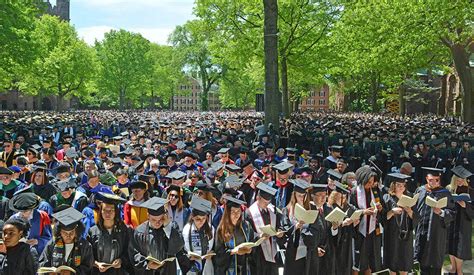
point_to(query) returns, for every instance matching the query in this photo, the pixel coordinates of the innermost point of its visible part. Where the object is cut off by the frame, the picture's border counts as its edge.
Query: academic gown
(226, 264)
(398, 238)
(40, 229)
(460, 231)
(343, 246)
(198, 242)
(45, 191)
(306, 265)
(21, 259)
(260, 265)
(367, 249)
(326, 239)
(5, 211)
(431, 230)
(283, 195)
(81, 258)
(107, 247)
(161, 244)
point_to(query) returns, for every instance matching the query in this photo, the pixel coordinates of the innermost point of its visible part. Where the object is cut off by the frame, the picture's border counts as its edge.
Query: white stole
(362, 204)
(269, 248)
(177, 216)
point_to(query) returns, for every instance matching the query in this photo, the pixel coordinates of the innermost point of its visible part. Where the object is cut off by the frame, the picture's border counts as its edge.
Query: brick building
(318, 99)
(188, 97)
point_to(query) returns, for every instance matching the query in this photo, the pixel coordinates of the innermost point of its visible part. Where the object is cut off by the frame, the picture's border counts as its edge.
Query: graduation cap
(155, 206)
(461, 172)
(291, 150)
(432, 171)
(437, 142)
(217, 165)
(68, 218)
(318, 187)
(180, 145)
(334, 175)
(201, 185)
(64, 167)
(245, 163)
(336, 148)
(398, 177)
(300, 185)
(138, 184)
(72, 153)
(233, 202)
(266, 191)
(66, 184)
(110, 198)
(233, 182)
(48, 151)
(342, 188)
(15, 169)
(283, 167)
(223, 151)
(117, 138)
(233, 168)
(176, 175)
(200, 207)
(138, 165)
(24, 201)
(88, 153)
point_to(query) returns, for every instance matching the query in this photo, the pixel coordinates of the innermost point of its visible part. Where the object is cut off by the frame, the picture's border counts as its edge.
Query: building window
(322, 93)
(322, 102)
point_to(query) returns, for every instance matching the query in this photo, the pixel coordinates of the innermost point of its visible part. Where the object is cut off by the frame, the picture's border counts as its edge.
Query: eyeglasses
(173, 196)
(7, 145)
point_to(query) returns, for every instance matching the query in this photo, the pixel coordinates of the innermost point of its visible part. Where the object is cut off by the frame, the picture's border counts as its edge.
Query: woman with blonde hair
(460, 229)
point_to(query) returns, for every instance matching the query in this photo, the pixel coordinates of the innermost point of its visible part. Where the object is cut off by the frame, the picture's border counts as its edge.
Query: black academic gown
(326, 241)
(223, 261)
(260, 265)
(431, 230)
(81, 258)
(460, 231)
(306, 265)
(398, 238)
(20, 259)
(161, 244)
(107, 247)
(343, 246)
(368, 248)
(45, 191)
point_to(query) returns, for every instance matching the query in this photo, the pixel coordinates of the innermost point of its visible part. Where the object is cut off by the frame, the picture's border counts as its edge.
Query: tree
(191, 42)
(16, 44)
(272, 97)
(123, 67)
(165, 74)
(64, 63)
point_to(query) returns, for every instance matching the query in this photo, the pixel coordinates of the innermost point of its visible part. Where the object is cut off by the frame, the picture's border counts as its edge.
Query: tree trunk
(284, 87)
(466, 77)
(402, 100)
(122, 99)
(59, 102)
(375, 94)
(270, 42)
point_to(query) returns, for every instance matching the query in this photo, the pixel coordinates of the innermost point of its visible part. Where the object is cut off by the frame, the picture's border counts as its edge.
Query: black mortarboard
(319, 188)
(291, 150)
(233, 202)
(24, 201)
(266, 191)
(334, 175)
(200, 207)
(217, 166)
(398, 177)
(283, 167)
(68, 218)
(174, 187)
(433, 171)
(232, 181)
(138, 184)
(245, 163)
(223, 151)
(63, 168)
(233, 168)
(176, 175)
(48, 151)
(71, 153)
(336, 148)
(300, 185)
(201, 185)
(342, 188)
(155, 206)
(461, 172)
(110, 198)
(138, 165)
(63, 185)
(5, 171)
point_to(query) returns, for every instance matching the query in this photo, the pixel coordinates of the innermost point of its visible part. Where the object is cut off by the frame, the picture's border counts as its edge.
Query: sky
(154, 19)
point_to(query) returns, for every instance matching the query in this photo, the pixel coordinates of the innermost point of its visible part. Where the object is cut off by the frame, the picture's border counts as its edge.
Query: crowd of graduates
(219, 193)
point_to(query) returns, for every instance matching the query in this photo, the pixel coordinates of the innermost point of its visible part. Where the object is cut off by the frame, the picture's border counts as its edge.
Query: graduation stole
(362, 204)
(59, 254)
(232, 243)
(268, 246)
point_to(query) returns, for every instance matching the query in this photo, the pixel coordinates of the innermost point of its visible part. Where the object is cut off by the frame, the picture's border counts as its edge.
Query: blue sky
(154, 19)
